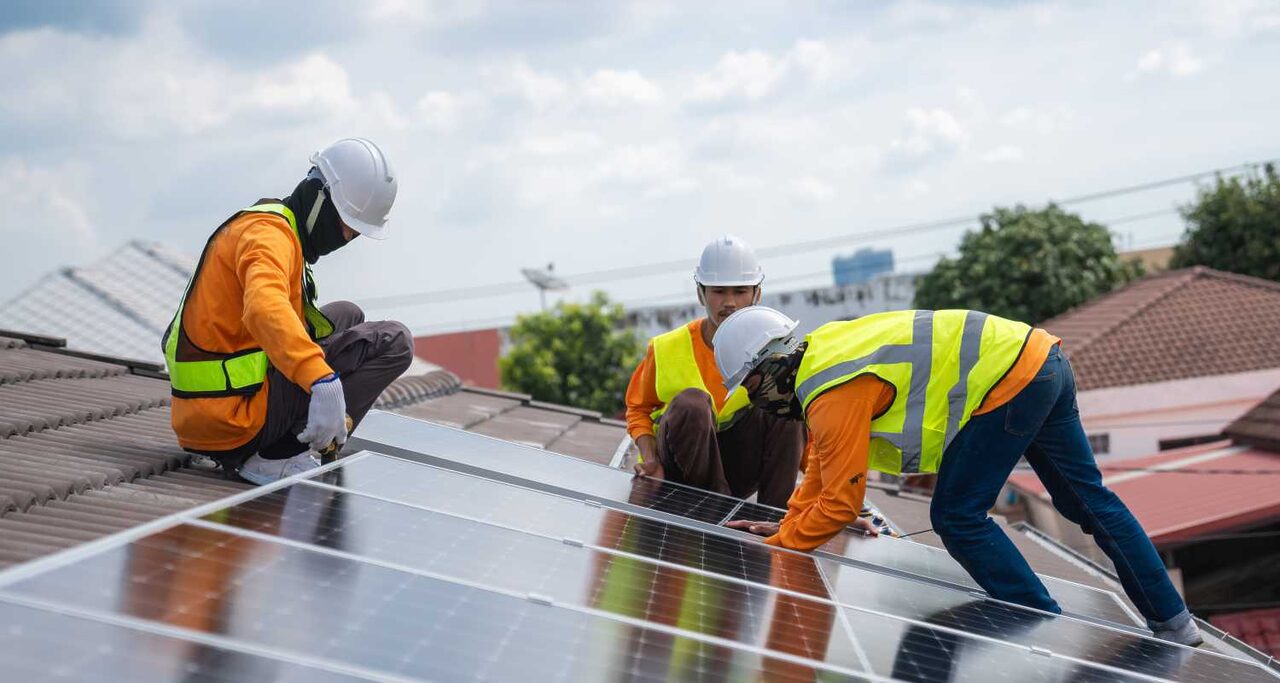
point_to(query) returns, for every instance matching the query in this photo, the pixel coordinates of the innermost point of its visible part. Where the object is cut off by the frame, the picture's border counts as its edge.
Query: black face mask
(776, 394)
(319, 226)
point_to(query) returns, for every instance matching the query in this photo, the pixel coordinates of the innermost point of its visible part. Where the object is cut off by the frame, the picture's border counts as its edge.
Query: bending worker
(263, 380)
(687, 427)
(961, 393)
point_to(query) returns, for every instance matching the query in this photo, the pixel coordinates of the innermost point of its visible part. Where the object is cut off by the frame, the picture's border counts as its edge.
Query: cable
(592, 277)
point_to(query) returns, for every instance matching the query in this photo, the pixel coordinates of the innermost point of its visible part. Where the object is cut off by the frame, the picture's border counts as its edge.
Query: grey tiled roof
(517, 417)
(86, 448)
(118, 306)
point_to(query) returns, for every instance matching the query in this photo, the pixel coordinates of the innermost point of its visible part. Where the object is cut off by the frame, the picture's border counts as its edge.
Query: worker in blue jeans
(1043, 422)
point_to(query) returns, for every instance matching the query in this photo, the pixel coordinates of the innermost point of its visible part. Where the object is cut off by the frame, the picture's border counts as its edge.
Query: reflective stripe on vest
(941, 364)
(676, 369)
(244, 371)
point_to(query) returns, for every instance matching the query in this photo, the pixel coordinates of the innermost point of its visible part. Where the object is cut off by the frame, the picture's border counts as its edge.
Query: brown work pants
(367, 356)
(759, 454)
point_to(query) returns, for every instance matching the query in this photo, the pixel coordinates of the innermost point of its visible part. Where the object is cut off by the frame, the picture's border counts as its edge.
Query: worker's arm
(831, 494)
(642, 400)
(265, 261)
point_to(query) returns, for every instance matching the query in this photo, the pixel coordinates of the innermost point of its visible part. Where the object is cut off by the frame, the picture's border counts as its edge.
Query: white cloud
(815, 59)
(747, 75)
(521, 80)
(1175, 60)
(561, 144)
(1003, 154)
(930, 134)
(1038, 120)
(755, 74)
(811, 189)
(439, 110)
(610, 88)
(44, 212)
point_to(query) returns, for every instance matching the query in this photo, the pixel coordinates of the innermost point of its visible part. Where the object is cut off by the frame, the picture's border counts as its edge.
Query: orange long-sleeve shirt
(642, 393)
(835, 481)
(248, 294)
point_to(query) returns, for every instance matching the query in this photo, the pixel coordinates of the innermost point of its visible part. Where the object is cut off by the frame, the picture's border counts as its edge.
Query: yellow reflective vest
(941, 365)
(197, 373)
(676, 369)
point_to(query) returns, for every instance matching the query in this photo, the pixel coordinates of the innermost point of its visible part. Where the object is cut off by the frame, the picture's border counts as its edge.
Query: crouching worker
(961, 393)
(263, 380)
(706, 436)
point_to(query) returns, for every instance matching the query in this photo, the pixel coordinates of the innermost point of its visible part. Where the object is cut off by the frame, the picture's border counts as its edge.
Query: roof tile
(1186, 323)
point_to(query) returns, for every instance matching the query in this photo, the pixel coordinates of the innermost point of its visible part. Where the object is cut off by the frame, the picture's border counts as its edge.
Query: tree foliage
(575, 354)
(1027, 265)
(1234, 225)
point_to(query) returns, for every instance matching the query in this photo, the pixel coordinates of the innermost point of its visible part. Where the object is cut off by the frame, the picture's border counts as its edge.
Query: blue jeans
(1043, 423)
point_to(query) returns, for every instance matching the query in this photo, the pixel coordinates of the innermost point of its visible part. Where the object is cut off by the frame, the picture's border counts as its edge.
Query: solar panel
(522, 563)
(519, 562)
(506, 562)
(40, 644)
(317, 606)
(933, 563)
(977, 615)
(484, 456)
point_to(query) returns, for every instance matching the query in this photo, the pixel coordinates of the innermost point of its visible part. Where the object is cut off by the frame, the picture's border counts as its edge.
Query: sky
(625, 135)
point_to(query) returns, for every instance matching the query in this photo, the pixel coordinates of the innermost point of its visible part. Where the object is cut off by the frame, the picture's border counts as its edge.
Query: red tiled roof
(1186, 323)
(1258, 627)
(1180, 506)
(1260, 427)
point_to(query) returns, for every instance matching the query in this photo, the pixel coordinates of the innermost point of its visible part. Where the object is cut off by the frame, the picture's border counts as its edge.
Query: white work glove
(326, 417)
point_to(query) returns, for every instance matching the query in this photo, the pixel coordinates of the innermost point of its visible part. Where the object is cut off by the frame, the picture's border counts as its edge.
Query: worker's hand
(649, 468)
(326, 417)
(864, 526)
(757, 528)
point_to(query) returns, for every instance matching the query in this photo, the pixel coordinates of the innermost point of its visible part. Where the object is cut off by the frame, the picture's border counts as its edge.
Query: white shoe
(260, 471)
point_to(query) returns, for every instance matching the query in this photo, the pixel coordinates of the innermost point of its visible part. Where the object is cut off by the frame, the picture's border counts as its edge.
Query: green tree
(1234, 225)
(575, 354)
(1027, 265)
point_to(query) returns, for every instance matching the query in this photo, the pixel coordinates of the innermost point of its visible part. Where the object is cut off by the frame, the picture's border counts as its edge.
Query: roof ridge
(1241, 278)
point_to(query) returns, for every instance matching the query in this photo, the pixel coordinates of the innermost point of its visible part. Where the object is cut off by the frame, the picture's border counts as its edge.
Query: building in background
(1172, 359)
(812, 307)
(472, 355)
(862, 266)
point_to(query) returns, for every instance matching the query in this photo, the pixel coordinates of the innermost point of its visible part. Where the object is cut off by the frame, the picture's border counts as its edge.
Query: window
(1168, 444)
(1100, 443)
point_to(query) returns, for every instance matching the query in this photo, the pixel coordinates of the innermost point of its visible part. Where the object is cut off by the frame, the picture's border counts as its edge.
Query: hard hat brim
(373, 232)
(754, 282)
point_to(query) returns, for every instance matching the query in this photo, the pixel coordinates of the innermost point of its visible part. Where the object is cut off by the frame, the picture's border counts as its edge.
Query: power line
(628, 272)
(685, 298)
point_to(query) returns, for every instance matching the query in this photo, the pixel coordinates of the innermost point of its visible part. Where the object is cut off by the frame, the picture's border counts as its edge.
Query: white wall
(1137, 417)
(812, 307)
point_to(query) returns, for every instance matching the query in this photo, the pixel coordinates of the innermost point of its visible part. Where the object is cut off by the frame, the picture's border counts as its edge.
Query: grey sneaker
(261, 471)
(1187, 634)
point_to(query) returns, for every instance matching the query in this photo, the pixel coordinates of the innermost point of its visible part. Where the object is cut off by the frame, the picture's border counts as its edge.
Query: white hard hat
(749, 336)
(728, 262)
(360, 183)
